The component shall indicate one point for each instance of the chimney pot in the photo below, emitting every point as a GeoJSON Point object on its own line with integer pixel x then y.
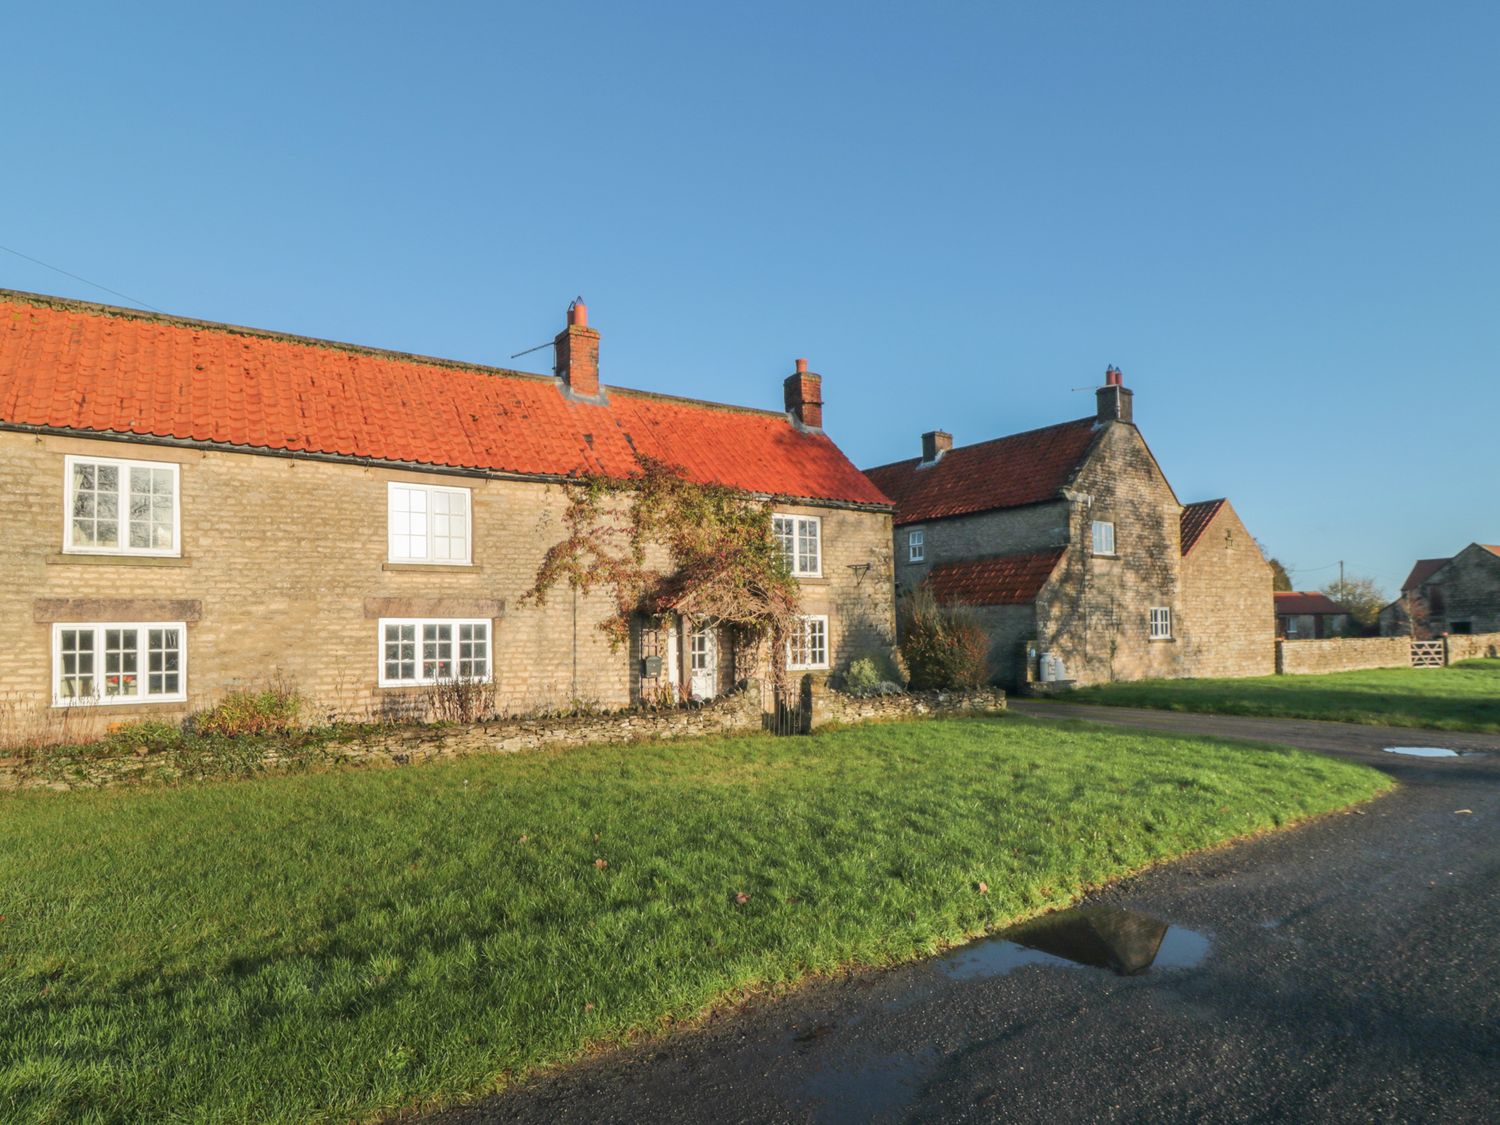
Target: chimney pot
{"type": "Point", "coordinates": [576, 354]}
{"type": "Point", "coordinates": [804, 396]}
{"type": "Point", "coordinates": [934, 444]}
{"type": "Point", "coordinates": [1114, 398]}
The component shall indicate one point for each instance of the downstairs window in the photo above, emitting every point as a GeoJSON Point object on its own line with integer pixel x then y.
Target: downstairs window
{"type": "Point", "coordinates": [119, 662]}
{"type": "Point", "coordinates": [415, 651]}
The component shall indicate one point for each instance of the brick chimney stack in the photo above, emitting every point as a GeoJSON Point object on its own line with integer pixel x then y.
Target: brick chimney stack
{"type": "Point", "coordinates": [1114, 397]}
{"type": "Point", "coordinates": [576, 352]}
{"type": "Point", "coordinates": [934, 444]}
{"type": "Point", "coordinates": [804, 397]}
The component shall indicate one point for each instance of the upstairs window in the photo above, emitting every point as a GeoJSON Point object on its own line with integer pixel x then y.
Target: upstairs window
{"type": "Point", "coordinates": [916, 545]}
{"type": "Point", "coordinates": [808, 646]}
{"type": "Point", "coordinates": [142, 662]}
{"type": "Point", "coordinates": [414, 652]}
{"type": "Point", "coordinates": [429, 524]}
{"type": "Point", "coordinates": [801, 541]}
{"type": "Point", "coordinates": [118, 507]}
{"type": "Point", "coordinates": [1161, 623]}
{"type": "Point", "coordinates": [1104, 537]}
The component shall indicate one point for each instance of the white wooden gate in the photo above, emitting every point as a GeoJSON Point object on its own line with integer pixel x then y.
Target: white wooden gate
{"type": "Point", "coordinates": [1427, 654]}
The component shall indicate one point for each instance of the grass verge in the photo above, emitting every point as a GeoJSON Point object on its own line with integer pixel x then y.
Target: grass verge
{"type": "Point", "coordinates": [331, 946]}
{"type": "Point", "coordinates": [1463, 696]}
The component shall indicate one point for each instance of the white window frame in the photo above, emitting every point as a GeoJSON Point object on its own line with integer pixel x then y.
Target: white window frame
{"type": "Point", "coordinates": [1104, 530]}
{"type": "Point", "coordinates": [122, 513]}
{"type": "Point", "coordinates": [798, 561]}
{"type": "Point", "coordinates": [916, 545]}
{"type": "Point", "coordinates": [803, 623]}
{"type": "Point", "coordinates": [1160, 617]}
{"type": "Point", "coordinates": [143, 664]}
{"type": "Point", "coordinates": [419, 680]}
{"type": "Point", "coordinates": [429, 490]}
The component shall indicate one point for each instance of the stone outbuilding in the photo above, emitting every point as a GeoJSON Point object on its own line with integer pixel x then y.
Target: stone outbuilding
{"type": "Point", "coordinates": [1457, 595]}
{"type": "Point", "coordinates": [193, 507]}
{"type": "Point", "coordinates": [1077, 555]}
{"type": "Point", "coordinates": [1306, 615]}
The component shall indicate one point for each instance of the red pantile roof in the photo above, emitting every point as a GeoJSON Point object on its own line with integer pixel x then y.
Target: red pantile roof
{"type": "Point", "coordinates": [68, 365]}
{"type": "Point", "coordinates": [1000, 580]}
{"type": "Point", "coordinates": [1422, 571]}
{"type": "Point", "coordinates": [1007, 472]}
{"type": "Point", "coordinates": [1195, 519]}
{"type": "Point", "coordinates": [1491, 548]}
{"type": "Point", "coordinates": [1303, 601]}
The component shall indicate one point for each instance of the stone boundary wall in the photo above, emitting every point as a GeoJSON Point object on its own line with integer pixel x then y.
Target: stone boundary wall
{"type": "Point", "coordinates": [1460, 646]}
{"type": "Point", "coordinates": [740, 712]}
{"type": "Point", "coordinates": [1343, 654]}
{"type": "Point", "coordinates": [836, 707]}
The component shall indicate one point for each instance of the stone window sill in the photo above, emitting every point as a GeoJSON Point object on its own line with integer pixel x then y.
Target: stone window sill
{"type": "Point", "coordinates": [1162, 640]}
{"type": "Point", "coordinates": [813, 580]}
{"type": "Point", "coordinates": [117, 560]}
{"type": "Point", "coordinates": [432, 568]}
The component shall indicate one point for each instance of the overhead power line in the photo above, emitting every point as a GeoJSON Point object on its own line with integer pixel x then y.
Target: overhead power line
{"type": "Point", "coordinates": [86, 281]}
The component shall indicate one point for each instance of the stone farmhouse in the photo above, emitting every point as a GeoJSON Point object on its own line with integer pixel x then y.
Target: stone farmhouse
{"type": "Point", "coordinates": [193, 505]}
{"type": "Point", "coordinates": [1078, 557]}
{"type": "Point", "coordinates": [1458, 595]}
{"type": "Point", "coordinates": [1305, 615]}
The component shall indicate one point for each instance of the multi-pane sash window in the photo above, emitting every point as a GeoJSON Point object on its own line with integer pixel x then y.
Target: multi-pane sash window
{"type": "Point", "coordinates": [414, 651]}
{"type": "Point", "coordinates": [801, 542]}
{"type": "Point", "coordinates": [429, 524]}
{"type": "Point", "coordinates": [130, 662]}
{"type": "Point", "coordinates": [1104, 537]}
{"type": "Point", "coordinates": [1161, 623]}
{"type": "Point", "coordinates": [120, 507]}
{"type": "Point", "coordinates": [808, 646]}
{"type": "Point", "coordinates": [916, 545]}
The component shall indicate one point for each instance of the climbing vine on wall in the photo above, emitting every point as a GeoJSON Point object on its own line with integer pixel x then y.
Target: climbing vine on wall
{"type": "Point", "coordinates": [658, 542]}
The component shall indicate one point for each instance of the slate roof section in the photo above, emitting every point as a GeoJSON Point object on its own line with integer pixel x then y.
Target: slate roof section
{"type": "Point", "coordinates": [1422, 571]}
{"type": "Point", "coordinates": [1007, 472]}
{"type": "Point", "coordinates": [1195, 519]}
{"type": "Point", "coordinates": [74, 366]}
{"type": "Point", "coordinates": [998, 580]}
{"type": "Point", "coordinates": [1306, 601]}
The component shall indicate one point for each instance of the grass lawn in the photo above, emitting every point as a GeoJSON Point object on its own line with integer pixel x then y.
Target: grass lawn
{"type": "Point", "coordinates": [1463, 696]}
{"type": "Point", "coordinates": [329, 946]}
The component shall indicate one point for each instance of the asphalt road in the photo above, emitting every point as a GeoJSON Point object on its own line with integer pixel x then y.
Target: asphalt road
{"type": "Point", "coordinates": [1348, 970]}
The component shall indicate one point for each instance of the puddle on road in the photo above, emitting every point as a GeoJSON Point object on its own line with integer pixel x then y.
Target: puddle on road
{"type": "Point", "coordinates": [1126, 942]}
{"type": "Point", "coordinates": [875, 1089]}
{"type": "Point", "coordinates": [1422, 751]}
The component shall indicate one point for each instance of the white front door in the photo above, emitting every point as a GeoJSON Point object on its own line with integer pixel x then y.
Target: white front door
{"type": "Point", "coordinates": [703, 664]}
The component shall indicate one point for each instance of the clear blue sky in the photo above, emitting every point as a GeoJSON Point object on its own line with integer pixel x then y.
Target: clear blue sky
{"type": "Point", "coordinates": [1282, 220]}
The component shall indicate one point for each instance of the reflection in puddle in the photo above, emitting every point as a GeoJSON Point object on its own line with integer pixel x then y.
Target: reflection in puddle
{"type": "Point", "coordinates": [1422, 751]}
{"type": "Point", "coordinates": [1123, 941]}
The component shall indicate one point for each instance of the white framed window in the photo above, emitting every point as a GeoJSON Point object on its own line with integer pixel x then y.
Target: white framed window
{"type": "Point", "coordinates": [119, 662]}
{"type": "Point", "coordinates": [801, 540]}
{"type": "Point", "coordinates": [1104, 537]}
{"type": "Point", "coordinates": [916, 545]}
{"type": "Point", "coordinates": [429, 523]}
{"type": "Point", "coordinates": [1161, 623]}
{"type": "Point", "coordinates": [416, 651]}
{"type": "Point", "coordinates": [807, 648]}
{"type": "Point", "coordinates": [119, 507]}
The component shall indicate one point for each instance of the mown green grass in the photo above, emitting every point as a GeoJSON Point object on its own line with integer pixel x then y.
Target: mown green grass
{"type": "Point", "coordinates": [329, 946]}
{"type": "Point", "coordinates": [1463, 696]}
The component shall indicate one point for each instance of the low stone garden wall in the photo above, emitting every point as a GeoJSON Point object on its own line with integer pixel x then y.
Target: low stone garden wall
{"type": "Point", "coordinates": [1470, 647]}
{"type": "Point", "coordinates": [835, 707]}
{"type": "Point", "coordinates": [1342, 654]}
{"type": "Point", "coordinates": [740, 712]}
